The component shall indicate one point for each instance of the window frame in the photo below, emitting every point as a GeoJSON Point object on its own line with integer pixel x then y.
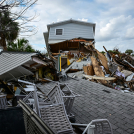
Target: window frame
{"type": "Point", "coordinates": [62, 31]}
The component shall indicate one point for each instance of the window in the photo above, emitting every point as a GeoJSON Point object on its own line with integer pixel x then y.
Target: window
{"type": "Point", "coordinates": [59, 31]}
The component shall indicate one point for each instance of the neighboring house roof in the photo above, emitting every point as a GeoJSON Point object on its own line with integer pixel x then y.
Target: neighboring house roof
{"type": "Point", "coordinates": [11, 60]}
{"type": "Point", "coordinates": [99, 102]}
{"type": "Point", "coordinates": [15, 73]}
{"type": "Point", "coordinates": [72, 21]}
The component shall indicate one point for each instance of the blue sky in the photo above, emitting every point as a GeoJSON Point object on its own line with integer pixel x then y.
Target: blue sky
{"type": "Point", "coordinates": [114, 20]}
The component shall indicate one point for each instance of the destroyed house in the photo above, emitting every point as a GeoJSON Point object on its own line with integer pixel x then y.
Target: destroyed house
{"type": "Point", "coordinates": [20, 64]}
{"type": "Point", "coordinates": [68, 38]}
{"type": "Point", "coordinates": [67, 35]}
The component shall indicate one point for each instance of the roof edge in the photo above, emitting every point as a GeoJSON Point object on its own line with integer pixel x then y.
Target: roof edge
{"type": "Point", "coordinates": [70, 21]}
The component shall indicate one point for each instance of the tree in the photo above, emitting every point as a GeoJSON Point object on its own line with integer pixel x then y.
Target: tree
{"type": "Point", "coordinates": [22, 45]}
{"type": "Point", "coordinates": [129, 51]}
{"type": "Point", "coordinates": [13, 13]}
{"type": "Point", "coordinates": [9, 29]}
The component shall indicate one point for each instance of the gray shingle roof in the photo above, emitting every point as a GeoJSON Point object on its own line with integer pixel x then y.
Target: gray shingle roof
{"type": "Point", "coordinates": [98, 101]}
{"type": "Point", "coordinates": [11, 60]}
{"type": "Point", "coordinates": [72, 21]}
{"type": "Point", "coordinates": [15, 73]}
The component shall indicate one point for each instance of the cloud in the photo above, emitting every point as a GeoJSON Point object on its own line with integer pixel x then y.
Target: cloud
{"type": "Point", "coordinates": [83, 19]}
{"type": "Point", "coordinates": [130, 33]}
{"type": "Point", "coordinates": [115, 28]}
{"type": "Point", "coordinates": [114, 20]}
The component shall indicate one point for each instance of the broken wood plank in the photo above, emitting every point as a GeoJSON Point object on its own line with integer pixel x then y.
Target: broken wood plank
{"type": "Point", "coordinates": [102, 59]}
{"type": "Point", "coordinates": [88, 70]}
{"type": "Point", "coordinates": [97, 69]}
{"type": "Point", "coordinates": [105, 48]}
{"type": "Point", "coordinates": [56, 53]}
{"type": "Point", "coordinates": [52, 57]}
{"type": "Point", "coordinates": [99, 78]}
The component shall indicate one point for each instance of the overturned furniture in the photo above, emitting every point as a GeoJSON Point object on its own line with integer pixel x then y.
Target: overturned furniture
{"type": "Point", "coordinates": [34, 124]}
{"type": "Point", "coordinates": [54, 114]}
{"type": "Point", "coordinates": [53, 120]}
{"type": "Point", "coordinates": [68, 97]}
{"type": "Point", "coordinates": [62, 93]}
{"type": "Point", "coordinates": [98, 126]}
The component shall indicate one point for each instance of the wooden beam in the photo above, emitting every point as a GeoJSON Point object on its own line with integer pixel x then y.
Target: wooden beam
{"type": "Point", "coordinates": [52, 57]}
{"type": "Point", "coordinates": [55, 53]}
{"type": "Point", "coordinates": [99, 78]}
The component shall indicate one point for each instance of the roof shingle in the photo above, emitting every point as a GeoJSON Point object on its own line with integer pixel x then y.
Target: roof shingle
{"type": "Point", "coordinates": [98, 101]}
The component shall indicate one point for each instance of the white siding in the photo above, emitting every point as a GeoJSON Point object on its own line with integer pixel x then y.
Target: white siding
{"type": "Point", "coordinates": [71, 30]}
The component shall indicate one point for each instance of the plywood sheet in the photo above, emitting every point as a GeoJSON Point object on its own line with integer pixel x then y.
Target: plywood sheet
{"type": "Point", "coordinates": [97, 69]}
{"type": "Point", "coordinates": [88, 70]}
{"type": "Point", "coordinates": [102, 59]}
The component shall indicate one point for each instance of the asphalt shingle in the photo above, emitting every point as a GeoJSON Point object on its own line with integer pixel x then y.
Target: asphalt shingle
{"type": "Point", "coordinates": [96, 103]}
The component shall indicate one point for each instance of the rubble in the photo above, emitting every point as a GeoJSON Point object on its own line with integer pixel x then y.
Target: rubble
{"type": "Point", "coordinates": [115, 71]}
{"type": "Point", "coordinates": [42, 83]}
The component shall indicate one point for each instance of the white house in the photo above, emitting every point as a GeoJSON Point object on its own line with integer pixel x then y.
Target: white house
{"type": "Point", "coordinates": [60, 32]}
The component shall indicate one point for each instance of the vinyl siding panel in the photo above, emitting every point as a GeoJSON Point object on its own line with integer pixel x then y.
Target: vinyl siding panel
{"type": "Point", "coordinates": [71, 30]}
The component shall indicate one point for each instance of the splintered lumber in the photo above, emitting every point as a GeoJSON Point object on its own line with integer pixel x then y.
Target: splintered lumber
{"type": "Point", "coordinates": [88, 70]}
{"type": "Point", "coordinates": [102, 59]}
{"type": "Point", "coordinates": [99, 78]}
{"type": "Point", "coordinates": [56, 53]}
{"type": "Point", "coordinates": [52, 57]}
{"type": "Point", "coordinates": [105, 48]}
{"type": "Point", "coordinates": [97, 69]}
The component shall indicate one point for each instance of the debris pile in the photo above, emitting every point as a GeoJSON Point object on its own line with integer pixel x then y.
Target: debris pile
{"type": "Point", "coordinates": [42, 82]}
{"type": "Point", "coordinates": [32, 67]}
{"type": "Point", "coordinates": [113, 70]}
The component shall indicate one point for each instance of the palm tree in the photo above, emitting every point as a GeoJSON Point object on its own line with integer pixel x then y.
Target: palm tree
{"type": "Point", "coordinates": [9, 30]}
{"type": "Point", "coordinates": [21, 45]}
